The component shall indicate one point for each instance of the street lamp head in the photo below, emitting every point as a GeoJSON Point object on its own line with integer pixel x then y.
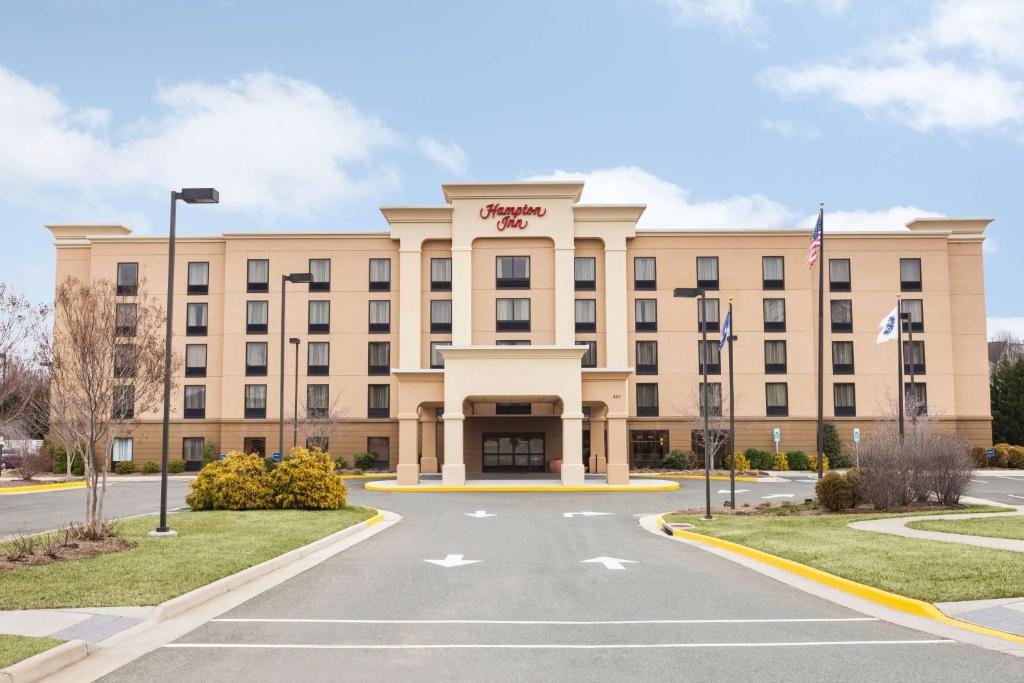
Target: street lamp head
{"type": "Point", "coordinates": [199, 195]}
{"type": "Point", "coordinates": [299, 277]}
{"type": "Point", "coordinates": [687, 292]}
{"type": "Point", "coordinates": [293, 340]}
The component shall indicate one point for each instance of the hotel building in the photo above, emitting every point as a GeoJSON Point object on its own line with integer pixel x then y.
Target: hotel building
{"type": "Point", "coordinates": [513, 326]}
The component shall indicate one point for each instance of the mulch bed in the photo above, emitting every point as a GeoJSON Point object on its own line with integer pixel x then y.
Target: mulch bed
{"type": "Point", "coordinates": [75, 550]}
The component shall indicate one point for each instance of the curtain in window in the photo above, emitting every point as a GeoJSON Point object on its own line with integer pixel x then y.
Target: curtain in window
{"type": "Point", "coordinates": [124, 358]}
{"type": "Point", "coordinates": [839, 270]}
{"type": "Point", "coordinates": [842, 353]}
{"type": "Point", "coordinates": [380, 354]}
{"type": "Point", "coordinates": [196, 315]}
{"type": "Point", "coordinates": [125, 315]}
{"type": "Point", "coordinates": [772, 267]}
{"type": "Point", "coordinates": [380, 312]}
{"type": "Point", "coordinates": [259, 271]}
{"type": "Point", "coordinates": [317, 353]}
{"type": "Point", "coordinates": [379, 396]}
{"type": "Point", "coordinates": [842, 311]}
{"type": "Point", "coordinates": [913, 353]}
{"type": "Point", "coordinates": [380, 270]}
{"type": "Point", "coordinates": [711, 353]}
{"type": "Point", "coordinates": [775, 310]}
{"type": "Point", "coordinates": [440, 270]}
{"type": "Point", "coordinates": [319, 312]}
{"type": "Point", "coordinates": [709, 314]}
{"type": "Point", "coordinates": [647, 353]}
{"type": "Point", "coordinates": [256, 396]}
{"type": "Point", "coordinates": [586, 268]}
{"type": "Point", "coordinates": [441, 311]}
{"type": "Point", "coordinates": [714, 398]}
{"type": "Point", "coordinates": [586, 310]}
{"type": "Point", "coordinates": [918, 392]}
{"type": "Point", "coordinates": [844, 395]}
{"type": "Point", "coordinates": [517, 267]}
{"type": "Point", "coordinates": [195, 356]}
{"type": "Point", "coordinates": [199, 274]}
{"type": "Point", "coordinates": [128, 274]}
{"type": "Point", "coordinates": [513, 309]}
{"type": "Point", "coordinates": [646, 310]}
{"type": "Point", "coordinates": [910, 269]}
{"type": "Point", "coordinates": [647, 395]}
{"type": "Point", "coordinates": [589, 359]}
{"type": "Point", "coordinates": [777, 394]}
{"type": "Point", "coordinates": [915, 308]}
{"type": "Point", "coordinates": [644, 268]}
{"type": "Point", "coordinates": [192, 449]}
{"type": "Point", "coordinates": [256, 312]}
{"type": "Point", "coordinates": [195, 397]}
{"type": "Point", "coordinates": [707, 267]}
{"type": "Point", "coordinates": [317, 397]}
{"type": "Point", "coordinates": [436, 359]}
{"type": "Point", "coordinates": [320, 269]}
{"type": "Point", "coordinates": [124, 400]}
{"type": "Point", "coordinates": [256, 354]}
{"type": "Point", "coordinates": [775, 352]}
{"type": "Point", "coordinates": [122, 449]}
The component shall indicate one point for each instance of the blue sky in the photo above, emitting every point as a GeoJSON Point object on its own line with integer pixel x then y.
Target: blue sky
{"type": "Point", "coordinates": [309, 115]}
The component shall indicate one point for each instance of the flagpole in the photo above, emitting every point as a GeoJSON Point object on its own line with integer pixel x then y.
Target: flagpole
{"type": "Point", "coordinates": [732, 418]}
{"type": "Point", "coordinates": [821, 343]}
{"type": "Point", "coordinates": [899, 359]}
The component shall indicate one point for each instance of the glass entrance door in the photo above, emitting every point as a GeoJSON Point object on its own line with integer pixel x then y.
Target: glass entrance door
{"type": "Point", "coordinates": [514, 452]}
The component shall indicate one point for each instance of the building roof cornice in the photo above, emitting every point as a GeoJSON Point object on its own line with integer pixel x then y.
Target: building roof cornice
{"type": "Point", "coordinates": [514, 190]}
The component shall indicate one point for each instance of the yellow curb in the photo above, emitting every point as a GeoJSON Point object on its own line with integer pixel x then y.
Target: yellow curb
{"type": "Point", "coordinates": [43, 487]}
{"type": "Point", "coordinates": [918, 608]}
{"type": "Point", "coordinates": [376, 519]}
{"type": "Point", "coordinates": [671, 486]}
{"type": "Point", "coordinates": [368, 476]}
{"type": "Point", "coordinates": [714, 477]}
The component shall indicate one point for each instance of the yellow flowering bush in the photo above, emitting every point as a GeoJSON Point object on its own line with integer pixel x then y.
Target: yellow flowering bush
{"type": "Point", "coordinates": [239, 482]}
{"type": "Point", "coordinates": [306, 481]}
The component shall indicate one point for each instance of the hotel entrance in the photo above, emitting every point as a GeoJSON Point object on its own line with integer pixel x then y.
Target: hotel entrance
{"type": "Point", "coordinates": [513, 452]}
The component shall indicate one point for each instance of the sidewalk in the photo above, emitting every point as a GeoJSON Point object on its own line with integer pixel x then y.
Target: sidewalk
{"type": "Point", "coordinates": [91, 624]}
{"type": "Point", "coordinates": [897, 527]}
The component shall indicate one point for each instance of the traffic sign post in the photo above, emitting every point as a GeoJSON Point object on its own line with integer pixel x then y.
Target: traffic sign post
{"type": "Point", "coordinates": [856, 447]}
{"type": "Point", "coordinates": [777, 437]}
{"type": "Point", "coordinates": [276, 457]}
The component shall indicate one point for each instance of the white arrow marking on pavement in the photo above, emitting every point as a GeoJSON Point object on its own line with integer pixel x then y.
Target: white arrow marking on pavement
{"type": "Point", "coordinates": [778, 495]}
{"type": "Point", "coordinates": [610, 562]}
{"type": "Point", "coordinates": [737, 491]}
{"type": "Point", "coordinates": [584, 514]}
{"type": "Point", "coordinates": [979, 481]}
{"type": "Point", "coordinates": [451, 561]}
{"type": "Point", "coordinates": [1013, 496]}
{"type": "Point", "coordinates": [480, 514]}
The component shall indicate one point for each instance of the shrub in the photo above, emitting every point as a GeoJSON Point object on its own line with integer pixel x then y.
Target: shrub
{"type": "Point", "coordinates": [175, 466]}
{"type": "Point", "coordinates": [150, 467]}
{"type": "Point", "coordinates": [780, 463]}
{"type": "Point", "coordinates": [125, 467]}
{"type": "Point", "coordinates": [855, 476]}
{"type": "Point", "coordinates": [306, 481]}
{"type": "Point", "coordinates": [340, 464]}
{"type": "Point", "coordinates": [209, 452]}
{"type": "Point", "coordinates": [34, 462]}
{"type": "Point", "coordinates": [239, 482]}
{"type": "Point", "coordinates": [364, 460]}
{"type": "Point", "coordinates": [1015, 457]}
{"type": "Point", "coordinates": [758, 459]}
{"type": "Point", "coordinates": [834, 491]}
{"type": "Point", "coordinates": [742, 464]}
{"type": "Point", "coordinates": [60, 463]}
{"type": "Point", "coordinates": [812, 463]}
{"type": "Point", "coordinates": [842, 460]}
{"type": "Point", "coordinates": [830, 443]}
{"type": "Point", "coordinates": [980, 455]}
{"type": "Point", "coordinates": [797, 460]}
{"type": "Point", "coordinates": [1002, 456]}
{"type": "Point", "coordinates": [269, 463]}
{"type": "Point", "coordinates": [674, 460]}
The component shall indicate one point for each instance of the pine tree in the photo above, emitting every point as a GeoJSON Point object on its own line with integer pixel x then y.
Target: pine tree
{"type": "Point", "coordinates": [1007, 387]}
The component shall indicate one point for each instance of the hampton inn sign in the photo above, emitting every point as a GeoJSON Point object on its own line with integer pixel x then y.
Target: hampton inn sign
{"type": "Point", "coordinates": [511, 216]}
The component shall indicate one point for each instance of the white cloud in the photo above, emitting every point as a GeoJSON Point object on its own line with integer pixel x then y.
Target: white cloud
{"type": "Point", "coordinates": [991, 28]}
{"type": "Point", "coordinates": [894, 218]}
{"type": "Point", "coordinates": [790, 129]}
{"type": "Point", "coordinates": [449, 156]}
{"type": "Point", "coordinates": [738, 16]}
{"type": "Point", "coordinates": [272, 145]}
{"type": "Point", "coordinates": [1013, 325]}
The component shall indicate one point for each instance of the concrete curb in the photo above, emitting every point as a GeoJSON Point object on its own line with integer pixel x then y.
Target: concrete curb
{"type": "Point", "coordinates": [40, 666]}
{"type": "Point", "coordinates": [388, 475]}
{"type": "Point", "coordinates": [41, 487]}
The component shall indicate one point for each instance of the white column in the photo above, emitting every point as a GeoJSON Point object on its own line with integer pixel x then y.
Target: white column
{"type": "Point", "coordinates": [565, 296]}
{"type": "Point", "coordinates": [462, 299]}
{"type": "Point", "coordinates": [453, 472]}
{"type": "Point", "coordinates": [409, 304]}
{"type": "Point", "coordinates": [572, 448]}
{"type": "Point", "coordinates": [618, 454]}
{"type": "Point", "coordinates": [408, 452]}
{"type": "Point", "coordinates": [615, 303]}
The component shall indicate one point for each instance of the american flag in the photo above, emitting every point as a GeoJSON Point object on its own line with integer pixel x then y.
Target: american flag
{"type": "Point", "coordinates": [815, 246]}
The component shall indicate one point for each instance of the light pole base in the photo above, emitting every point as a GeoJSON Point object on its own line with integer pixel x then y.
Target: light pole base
{"type": "Point", "coordinates": [706, 519]}
{"type": "Point", "coordinates": [169, 533]}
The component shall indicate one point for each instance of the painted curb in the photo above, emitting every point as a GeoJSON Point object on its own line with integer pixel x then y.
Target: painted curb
{"type": "Point", "coordinates": [670, 486]}
{"type": "Point", "coordinates": [900, 603]}
{"type": "Point", "coordinates": [51, 661]}
{"type": "Point", "coordinates": [42, 487]}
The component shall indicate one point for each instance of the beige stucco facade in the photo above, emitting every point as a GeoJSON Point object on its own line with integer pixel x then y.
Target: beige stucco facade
{"type": "Point", "coordinates": [470, 415]}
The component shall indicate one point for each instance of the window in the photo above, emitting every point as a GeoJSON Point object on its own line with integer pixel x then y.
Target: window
{"type": "Point", "coordinates": [586, 315]}
{"type": "Point", "coordinates": [777, 398]}
{"type": "Point", "coordinates": [845, 400]}
{"type": "Point", "coordinates": [257, 275]}
{"type": "Point", "coordinates": [645, 273]}
{"type": "Point", "coordinates": [195, 360]}
{"type": "Point", "coordinates": [646, 399]}
{"type": "Point", "coordinates": [127, 279]}
{"type": "Point", "coordinates": [124, 402]}
{"type": "Point", "coordinates": [122, 449]}
{"type": "Point", "coordinates": [192, 449]}
{"type": "Point", "coordinates": [380, 316]}
{"type": "Point", "coordinates": [198, 277]}
{"type": "Point", "coordinates": [378, 400]}
{"type": "Point", "coordinates": [513, 408]}
{"type": "Point", "coordinates": [714, 398]}
{"type": "Point", "coordinates": [646, 315]}
{"type": "Point", "coordinates": [380, 358]}
{"type": "Point", "coordinates": [257, 315]}
{"type": "Point", "coordinates": [774, 357]}
{"type": "Point", "coordinates": [318, 358]}
{"type": "Point", "coordinates": [440, 274]}
{"type": "Point", "coordinates": [915, 308]}
{"type": "Point", "coordinates": [256, 359]}
{"type": "Point", "coordinates": [839, 274]}
{"type": "Point", "coordinates": [317, 401]}
{"type": "Point", "coordinates": [647, 447]}
{"type": "Point", "coordinates": [774, 315]}
{"type": "Point", "coordinates": [707, 317]}
{"type": "Point", "coordinates": [711, 356]}
{"type": "Point", "coordinates": [910, 274]}
{"type": "Point", "coordinates": [590, 357]}
{"type": "Point", "coordinates": [519, 451]}
{"type": "Point", "coordinates": [320, 269]}
{"type": "Point", "coordinates": [255, 400]}
{"type": "Point", "coordinates": [379, 447]}
{"type": "Point", "coordinates": [125, 320]}
{"type": "Point", "coordinates": [513, 272]}
{"type": "Point", "coordinates": [842, 315]}
{"type": "Point", "coordinates": [842, 358]}
{"type": "Point", "coordinates": [436, 359]}
{"type": "Point", "coordinates": [585, 268]}
{"type": "Point", "coordinates": [647, 358]}
{"type": "Point", "coordinates": [196, 319]}
{"type": "Point", "coordinates": [380, 275]}
{"type": "Point", "coordinates": [255, 444]}
{"type": "Point", "coordinates": [917, 398]}
{"type": "Point", "coordinates": [124, 360]}
{"type": "Point", "coordinates": [773, 272]}
{"type": "Point", "coordinates": [913, 357]}
{"type": "Point", "coordinates": [319, 317]}
{"type": "Point", "coordinates": [321, 443]}
{"type": "Point", "coordinates": [513, 342]}
{"type": "Point", "coordinates": [513, 315]}
{"type": "Point", "coordinates": [441, 315]}
{"type": "Point", "coordinates": [707, 272]}
{"type": "Point", "coordinates": [195, 401]}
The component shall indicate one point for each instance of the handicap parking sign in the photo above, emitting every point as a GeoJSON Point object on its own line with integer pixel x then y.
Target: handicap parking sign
{"type": "Point", "coordinates": [991, 453]}
{"type": "Point", "coordinates": [223, 456]}
{"type": "Point", "coordinates": [277, 457]}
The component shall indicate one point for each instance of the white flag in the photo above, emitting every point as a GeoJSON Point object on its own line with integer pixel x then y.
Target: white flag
{"type": "Point", "coordinates": [887, 328]}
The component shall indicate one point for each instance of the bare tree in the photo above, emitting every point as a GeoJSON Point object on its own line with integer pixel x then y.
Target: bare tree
{"type": "Point", "coordinates": [718, 423]}
{"type": "Point", "coordinates": [1009, 345]}
{"type": "Point", "coordinates": [321, 422]}
{"type": "Point", "coordinates": [22, 326]}
{"type": "Point", "coordinates": [107, 363]}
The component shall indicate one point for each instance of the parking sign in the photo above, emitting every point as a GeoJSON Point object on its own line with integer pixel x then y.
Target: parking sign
{"type": "Point", "coordinates": [856, 435]}
{"type": "Point", "coordinates": [777, 435]}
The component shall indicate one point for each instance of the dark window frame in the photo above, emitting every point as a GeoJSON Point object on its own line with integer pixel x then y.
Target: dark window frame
{"type": "Point", "coordinates": [711, 325]}
{"type": "Point", "coordinates": [839, 285]}
{"type": "Point", "coordinates": [257, 328]}
{"type": "Point", "coordinates": [776, 411]}
{"type": "Point", "coordinates": [377, 412]}
{"type": "Point", "coordinates": [254, 413]}
{"type": "Point", "coordinates": [645, 326]}
{"type": "Point", "coordinates": [585, 285]}
{"type": "Point", "coordinates": [774, 326]}
{"type": "Point", "coordinates": [844, 411]}
{"type": "Point", "coordinates": [377, 370]}
{"type": "Point", "coordinates": [512, 282]}
{"type": "Point", "coordinates": [645, 369]}
{"type": "Point", "coordinates": [440, 285]}
{"type": "Point", "coordinates": [911, 285]}
{"type": "Point", "coordinates": [513, 325]}
{"type": "Point", "coordinates": [195, 371]}
{"type": "Point", "coordinates": [257, 287]}
{"type": "Point", "coordinates": [648, 411]}
{"type": "Point", "coordinates": [776, 368]}
{"type": "Point", "coordinates": [318, 412]}
{"type": "Point", "coordinates": [315, 286]}
{"type": "Point", "coordinates": [131, 289]}
{"type": "Point", "coordinates": [194, 413]}
{"type": "Point", "coordinates": [197, 289]}
{"type": "Point", "coordinates": [843, 368]}
{"type": "Point", "coordinates": [840, 327]}
{"type": "Point", "coordinates": [591, 345]}
{"type": "Point", "coordinates": [909, 325]}
{"type": "Point", "coordinates": [378, 328]}
{"type": "Point", "coordinates": [585, 327]}
{"type": "Point", "coordinates": [441, 327]}
{"type": "Point", "coordinates": [709, 284]}
{"type": "Point", "coordinates": [197, 330]}
{"type": "Point", "coordinates": [256, 370]}
{"type": "Point", "coordinates": [380, 286]}
{"type": "Point", "coordinates": [645, 285]}
{"type": "Point", "coordinates": [513, 408]}
{"type": "Point", "coordinates": [318, 328]}
{"type": "Point", "coordinates": [713, 368]}
{"type": "Point", "coordinates": [319, 370]}
{"type": "Point", "coordinates": [918, 368]}
{"type": "Point", "coordinates": [430, 354]}
{"type": "Point", "coordinates": [773, 284]}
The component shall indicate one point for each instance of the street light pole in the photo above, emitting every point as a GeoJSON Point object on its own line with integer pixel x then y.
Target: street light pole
{"type": "Point", "coordinates": [295, 410]}
{"type": "Point", "coordinates": [698, 293]}
{"type": "Point", "coordinates": [298, 278]}
{"type": "Point", "coordinates": [732, 414]}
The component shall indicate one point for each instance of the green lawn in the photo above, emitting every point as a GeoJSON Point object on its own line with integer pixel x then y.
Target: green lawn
{"type": "Point", "coordinates": [927, 570]}
{"type": "Point", "coordinates": [1000, 527]}
{"type": "Point", "coordinates": [13, 649]}
{"type": "Point", "coordinates": [209, 546]}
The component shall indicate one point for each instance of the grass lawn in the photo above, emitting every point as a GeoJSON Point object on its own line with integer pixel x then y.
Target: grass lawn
{"type": "Point", "coordinates": [210, 545]}
{"type": "Point", "coordinates": [927, 570]}
{"type": "Point", "coordinates": [1000, 527]}
{"type": "Point", "coordinates": [13, 649]}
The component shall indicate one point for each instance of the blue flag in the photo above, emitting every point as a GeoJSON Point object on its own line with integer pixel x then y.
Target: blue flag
{"type": "Point", "coordinates": [726, 330]}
